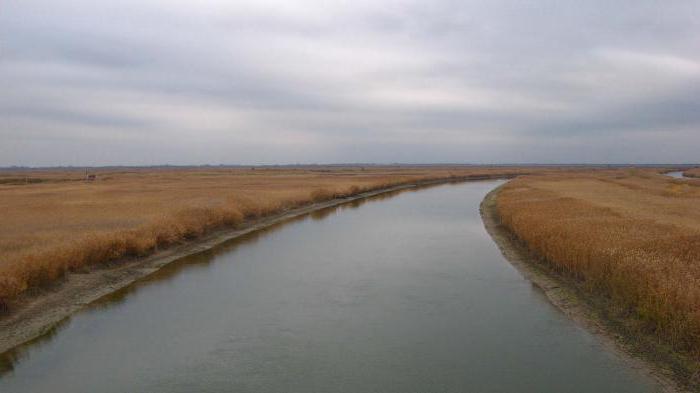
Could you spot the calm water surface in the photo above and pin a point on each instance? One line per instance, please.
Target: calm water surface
(401, 294)
(677, 175)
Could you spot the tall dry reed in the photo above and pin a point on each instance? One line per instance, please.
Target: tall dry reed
(632, 238)
(694, 172)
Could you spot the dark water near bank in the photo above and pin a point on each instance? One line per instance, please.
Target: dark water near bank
(405, 294)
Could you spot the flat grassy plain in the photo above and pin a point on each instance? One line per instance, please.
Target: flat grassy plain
(55, 221)
(632, 236)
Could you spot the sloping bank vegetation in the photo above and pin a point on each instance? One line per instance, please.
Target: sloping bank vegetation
(629, 238)
(50, 228)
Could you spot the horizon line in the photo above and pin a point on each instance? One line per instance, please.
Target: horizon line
(348, 164)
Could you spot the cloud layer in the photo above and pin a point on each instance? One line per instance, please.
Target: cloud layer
(249, 81)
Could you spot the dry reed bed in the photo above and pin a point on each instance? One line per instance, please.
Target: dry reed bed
(694, 172)
(632, 236)
(60, 223)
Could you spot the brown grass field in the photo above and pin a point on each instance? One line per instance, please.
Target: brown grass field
(632, 236)
(55, 221)
(695, 172)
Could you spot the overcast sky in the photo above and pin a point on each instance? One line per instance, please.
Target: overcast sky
(140, 82)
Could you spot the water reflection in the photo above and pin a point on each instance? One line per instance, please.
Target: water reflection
(200, 260)
(9, 359)
(203, 259)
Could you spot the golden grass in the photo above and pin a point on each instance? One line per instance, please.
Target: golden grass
(694, 172)
(632, 236)
(54, 222)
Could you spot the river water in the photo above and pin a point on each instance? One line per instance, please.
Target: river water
(406, 293)
(676, 174)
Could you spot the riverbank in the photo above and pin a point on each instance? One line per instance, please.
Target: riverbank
(63, 224)
(674, 371)
(38, 311)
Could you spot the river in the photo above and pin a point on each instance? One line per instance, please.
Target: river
(403, 293)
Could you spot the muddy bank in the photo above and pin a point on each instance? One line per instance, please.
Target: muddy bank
(36, 313)
(675, 372)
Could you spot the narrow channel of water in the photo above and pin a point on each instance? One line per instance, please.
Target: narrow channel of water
(402, 294)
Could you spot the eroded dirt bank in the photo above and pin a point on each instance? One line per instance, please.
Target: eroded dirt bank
(673, 371)
(34, 314)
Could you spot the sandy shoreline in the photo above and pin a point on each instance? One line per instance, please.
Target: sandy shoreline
(670, 370)
(36, 314)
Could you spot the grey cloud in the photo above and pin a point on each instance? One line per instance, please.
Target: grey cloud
(672, 111)
(272, 81)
